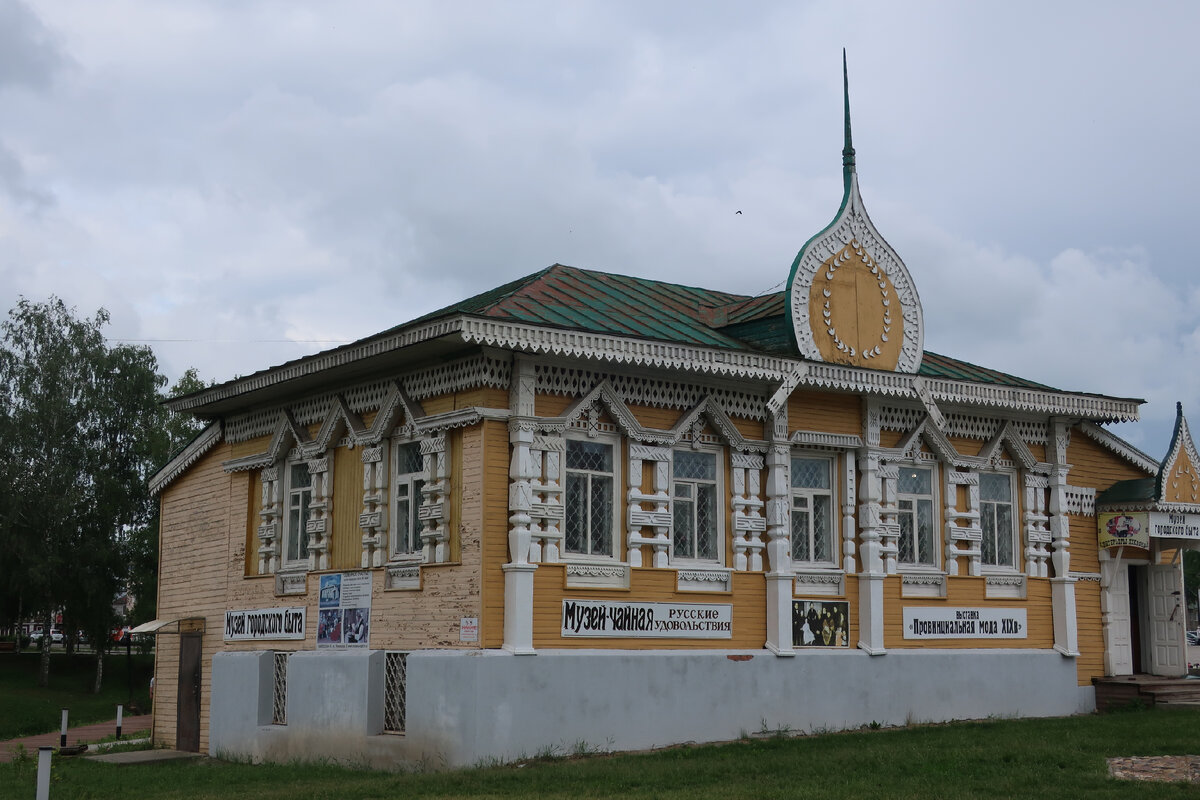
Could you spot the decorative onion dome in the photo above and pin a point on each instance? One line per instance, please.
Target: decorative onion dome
(851, 298)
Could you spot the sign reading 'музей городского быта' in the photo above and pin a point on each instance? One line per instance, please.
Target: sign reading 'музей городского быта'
(964, 623)
(647, 620)
(265, 623)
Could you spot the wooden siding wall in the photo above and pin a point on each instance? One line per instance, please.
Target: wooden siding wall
(201, 549)
(494, 509)
(825, 411)
(345, 544)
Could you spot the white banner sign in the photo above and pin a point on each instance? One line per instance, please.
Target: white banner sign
(964, 623)
(264, 623)
(647, 620)
(1174, 526)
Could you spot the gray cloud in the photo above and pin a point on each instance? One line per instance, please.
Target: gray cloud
(236, 174)
(30, 56)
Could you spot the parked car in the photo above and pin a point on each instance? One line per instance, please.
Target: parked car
(1193, 637)
(56, 636)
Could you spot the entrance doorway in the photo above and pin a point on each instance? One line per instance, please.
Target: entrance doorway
(187, 720)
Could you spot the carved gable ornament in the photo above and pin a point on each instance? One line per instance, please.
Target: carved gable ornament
(851, 299)
(1179, 475)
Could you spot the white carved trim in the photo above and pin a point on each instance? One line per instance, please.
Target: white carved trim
(853, 230)
(190, 454)
(917, 584)
(402, 576)
(597, 576)
(819, 583)
(1119, 446)
(832, 441)
(1004, 587)
(704, 580)
(291, 583)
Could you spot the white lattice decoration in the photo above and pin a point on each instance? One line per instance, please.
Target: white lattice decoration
(888, 511)
(270, 520)
(434, 514)
(653, 392)
(1081, 500)
(963, 535)
(373, 521)
(649, 512)
(319, 526)
(892, 418)
(749, 524)
(467, 373)
(1036, 518)
(480, 370)
(547, 515)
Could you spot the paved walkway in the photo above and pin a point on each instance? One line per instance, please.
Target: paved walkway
(84, 733)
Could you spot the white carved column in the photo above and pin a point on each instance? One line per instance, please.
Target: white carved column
(433, 514)
(1037, 530)
(269, 521)
(1062, 585)
(848, 503)
(780, 577)
(889, 517)
(518, 573)
(962, 540)
(657, 518)
(373, 521)
(873, 530)
(320, 521)
(748, 521)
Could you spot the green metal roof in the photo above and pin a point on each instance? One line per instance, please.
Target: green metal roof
(601, 302)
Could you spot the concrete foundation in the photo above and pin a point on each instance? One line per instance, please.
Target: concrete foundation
(467, 707)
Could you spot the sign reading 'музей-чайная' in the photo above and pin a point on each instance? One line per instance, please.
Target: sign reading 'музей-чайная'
(964, 623)
(647, 620)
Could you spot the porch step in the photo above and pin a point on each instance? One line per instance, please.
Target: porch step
(1149, 690)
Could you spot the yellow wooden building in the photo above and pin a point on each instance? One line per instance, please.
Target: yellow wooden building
(585, 507)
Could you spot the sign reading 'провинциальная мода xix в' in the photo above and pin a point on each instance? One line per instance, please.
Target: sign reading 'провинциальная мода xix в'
(923, 622)
(647, 620)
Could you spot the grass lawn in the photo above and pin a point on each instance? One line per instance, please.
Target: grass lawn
(27, 709)
(1053, 758)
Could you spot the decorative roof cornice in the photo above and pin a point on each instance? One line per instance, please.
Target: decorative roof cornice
(310, 365)
(713, 361)
(205, 441)
(623, 349)
(1120, 447)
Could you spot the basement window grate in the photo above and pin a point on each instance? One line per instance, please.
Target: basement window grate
(394, 686)
(279, 695)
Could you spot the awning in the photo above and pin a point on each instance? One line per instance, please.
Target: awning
(181, 625)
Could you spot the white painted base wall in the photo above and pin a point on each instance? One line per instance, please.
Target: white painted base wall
(465, 707)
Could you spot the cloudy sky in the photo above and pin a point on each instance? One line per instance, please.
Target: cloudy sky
(241, 183)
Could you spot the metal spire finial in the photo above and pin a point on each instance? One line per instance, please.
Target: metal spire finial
(848, 150)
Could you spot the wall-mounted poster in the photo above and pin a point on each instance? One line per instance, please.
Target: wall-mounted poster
(1123, 529)
(820, 623)
(344, 613)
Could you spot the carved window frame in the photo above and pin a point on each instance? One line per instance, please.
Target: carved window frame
(933, 562)
(613, 441)
(1014, 532)
(299, 530)
(414, 482)
(794, 492)
(720, 512)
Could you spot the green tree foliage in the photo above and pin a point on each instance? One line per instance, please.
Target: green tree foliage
(175, 431)
(80, 427)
